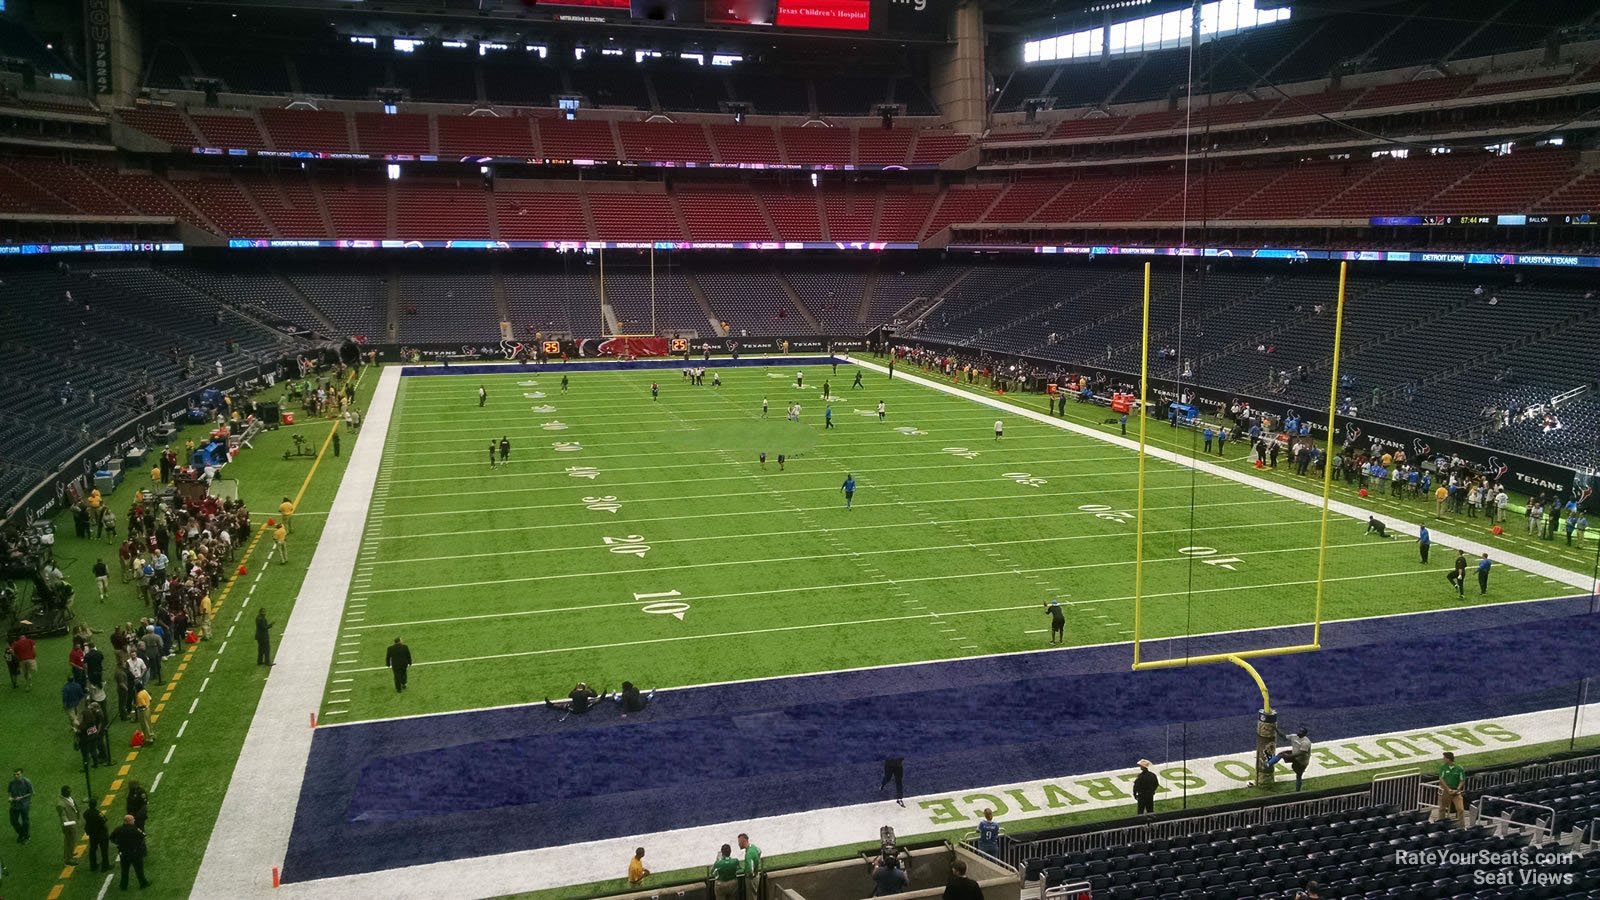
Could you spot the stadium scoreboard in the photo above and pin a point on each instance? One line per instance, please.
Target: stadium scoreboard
(890, 18)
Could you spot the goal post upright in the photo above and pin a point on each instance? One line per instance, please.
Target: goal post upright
(1327, 453)
(1144, 421)
(1236, 657)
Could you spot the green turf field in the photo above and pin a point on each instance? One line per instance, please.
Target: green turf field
(643, 540)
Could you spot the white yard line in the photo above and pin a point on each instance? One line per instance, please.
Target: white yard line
(1096, 491)
(252, 830)
(415, 589)
(1585, 583)
(793, 532)
(865, 482)
(831, 506)
(1271, 586)
(1449, 610)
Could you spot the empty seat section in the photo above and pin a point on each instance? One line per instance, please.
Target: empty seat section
(962, 205)
(552, 301)
(676, 311)
(458, 306)
(1075, 197)
(441, 211)
(663, 141)
(934, 147)
(794, 214)
(540, 216)
(850, 214)
(222, 201)
(356, 303)
(360, 210)
(1409, 92)
(580, 139)
(72, 184)
(722, 214)
(401, 134)
(1401, 186)
(904, 215)
(289, 202)
(321, 130)
(229, 131)
(635, 217)
(1022, 199)
(160, 122)
(816, 146)
(745, 144)
(1511, 183)
(466, 136)
(883, 146)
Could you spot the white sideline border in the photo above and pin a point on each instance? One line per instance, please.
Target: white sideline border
(1349, 510)
(252, 831)
(684, 848)
(251, 834)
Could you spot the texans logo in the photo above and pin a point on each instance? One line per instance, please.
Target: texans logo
(1584, 494)
(1499, 467)
(1421, 448)
(510, 349)
(1351, 432)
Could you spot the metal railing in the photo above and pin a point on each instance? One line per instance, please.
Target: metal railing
(1017, 853)
(1539, 831)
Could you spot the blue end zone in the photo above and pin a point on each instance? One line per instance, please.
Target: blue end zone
(621, 365)
(397, 793)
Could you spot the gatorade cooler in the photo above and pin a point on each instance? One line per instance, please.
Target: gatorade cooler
(288, 418)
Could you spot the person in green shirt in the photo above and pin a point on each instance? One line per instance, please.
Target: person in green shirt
(1451, 778)
(751, 865)
(725, 869)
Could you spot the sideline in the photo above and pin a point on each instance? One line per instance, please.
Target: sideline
(1588, 585)
(251, 834)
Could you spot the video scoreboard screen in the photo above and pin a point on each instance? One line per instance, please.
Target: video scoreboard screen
(909, 18)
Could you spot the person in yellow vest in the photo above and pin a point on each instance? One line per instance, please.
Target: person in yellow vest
(205, 617)
(279, 546)
(286, 512)
(155, 475)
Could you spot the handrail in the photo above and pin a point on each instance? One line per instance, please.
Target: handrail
(1549, 828)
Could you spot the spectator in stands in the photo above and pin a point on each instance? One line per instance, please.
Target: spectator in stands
(887, 876)
(1451, 790)
(989, 834)
(725, 871)
(750, 865)
(1144, 789)
(960, 887)
(1310, 892)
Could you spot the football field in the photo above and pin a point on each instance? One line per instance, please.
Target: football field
(644, 539)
